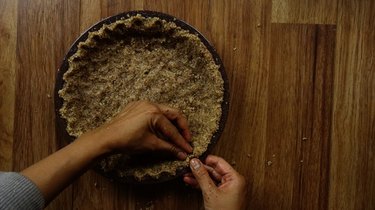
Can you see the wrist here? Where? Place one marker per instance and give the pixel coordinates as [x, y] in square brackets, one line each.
[93, 145]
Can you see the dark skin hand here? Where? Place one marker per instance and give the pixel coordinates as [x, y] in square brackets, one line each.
[222, 186]
[140, 127]
[143, 126]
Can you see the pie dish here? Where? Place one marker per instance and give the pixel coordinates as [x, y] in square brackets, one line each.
[142, 55]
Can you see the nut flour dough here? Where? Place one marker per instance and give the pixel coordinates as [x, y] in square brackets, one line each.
[142, 58]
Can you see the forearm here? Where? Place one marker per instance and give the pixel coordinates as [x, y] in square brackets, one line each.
[136, 128]
[57, 171]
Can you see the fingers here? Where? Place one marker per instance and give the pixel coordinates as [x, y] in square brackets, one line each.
[202, 177]
[170, 148]
[162, 124]
[213, 173]
[219, 165]
[229, 175]
[180, 119]
[191, 181]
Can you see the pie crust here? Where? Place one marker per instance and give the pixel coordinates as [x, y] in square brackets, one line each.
[142, 58]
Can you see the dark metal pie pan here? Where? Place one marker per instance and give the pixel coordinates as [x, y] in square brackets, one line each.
[63, 137]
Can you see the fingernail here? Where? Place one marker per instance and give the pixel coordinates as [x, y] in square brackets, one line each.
[194, 163]
[182, 155]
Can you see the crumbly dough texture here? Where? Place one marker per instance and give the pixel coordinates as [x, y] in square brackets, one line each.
[142, 58]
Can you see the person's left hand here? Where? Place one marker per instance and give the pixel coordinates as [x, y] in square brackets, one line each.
[143, 126]
[222, 186]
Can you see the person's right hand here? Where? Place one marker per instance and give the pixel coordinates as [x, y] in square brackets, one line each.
[222, 186]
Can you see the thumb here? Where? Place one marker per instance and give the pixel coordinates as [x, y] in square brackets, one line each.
[201, 175]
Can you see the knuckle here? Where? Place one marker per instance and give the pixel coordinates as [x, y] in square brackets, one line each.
[156, 115]
[156, 118]
[173, 149]
[173, 134]
[201, 172]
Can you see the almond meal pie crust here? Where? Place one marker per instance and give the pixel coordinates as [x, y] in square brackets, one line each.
[142, 58]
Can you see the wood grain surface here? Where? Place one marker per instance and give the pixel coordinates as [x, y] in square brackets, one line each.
[304, 11]
[301, 125]
[352, 171]
[8, 40]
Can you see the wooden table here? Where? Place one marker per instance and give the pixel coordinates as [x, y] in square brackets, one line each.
[301, 125]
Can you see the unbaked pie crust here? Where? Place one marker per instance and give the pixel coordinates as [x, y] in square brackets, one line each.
[142, 58]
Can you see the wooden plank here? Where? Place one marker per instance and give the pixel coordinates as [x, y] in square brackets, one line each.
[8, 38]
[89, 14]
[298, 118]
[40, 49]
[352, 173]
[316, 138]
[114, 7]
[304, 11]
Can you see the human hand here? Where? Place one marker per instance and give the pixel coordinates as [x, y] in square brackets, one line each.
[144, 126]
[222, 186]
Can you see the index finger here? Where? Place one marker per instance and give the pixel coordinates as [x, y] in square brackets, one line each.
[219, 165]
[167, 129]
[180, 119]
